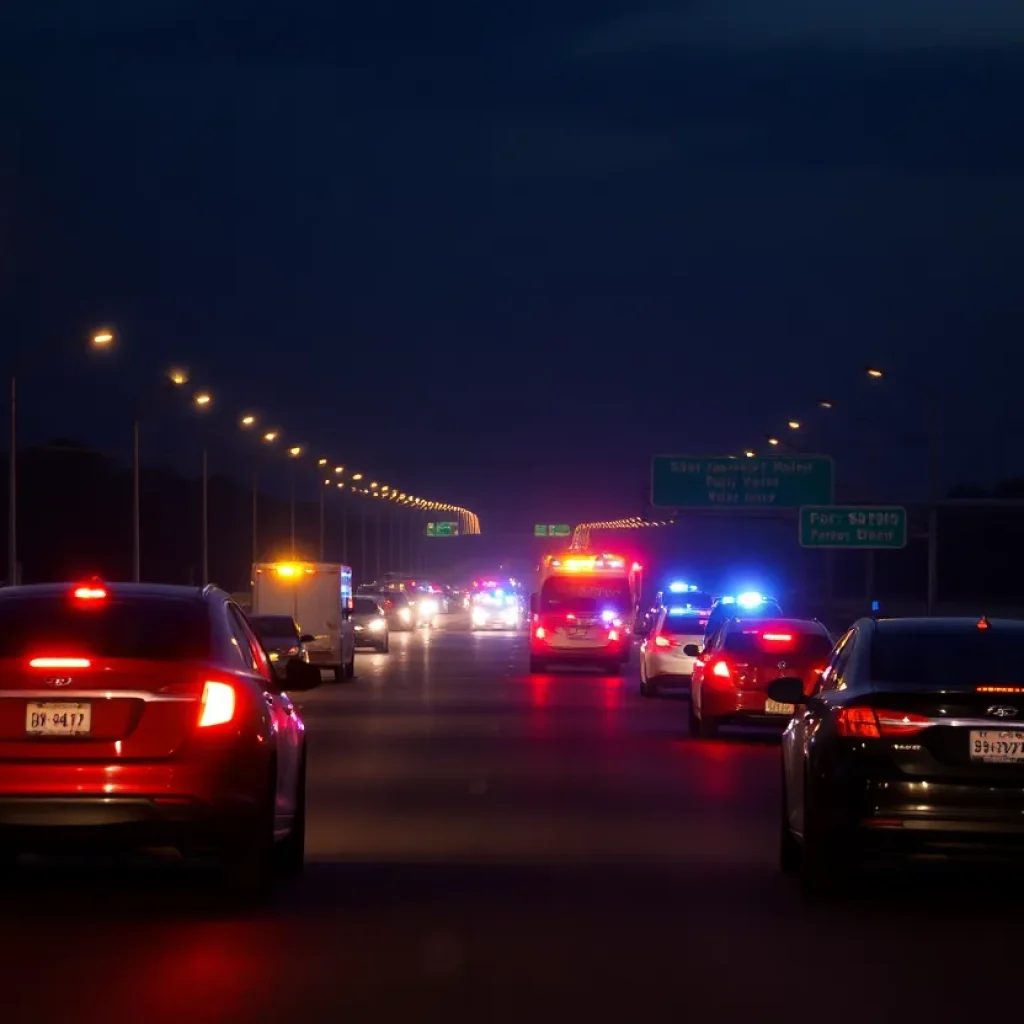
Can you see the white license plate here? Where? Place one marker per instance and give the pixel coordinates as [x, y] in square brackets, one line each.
[773, 707]
[52, 719]
[579, 633]
[997, 746]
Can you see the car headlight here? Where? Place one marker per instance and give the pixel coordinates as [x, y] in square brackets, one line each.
[274, 655]
[377, 625]
[428, 607]
[479, 616]
[404, 614]
[511, 616]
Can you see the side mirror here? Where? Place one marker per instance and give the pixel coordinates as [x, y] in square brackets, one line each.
[301, 675]
[692, 650]
[787, 690]
[307, 638]
[533, 604]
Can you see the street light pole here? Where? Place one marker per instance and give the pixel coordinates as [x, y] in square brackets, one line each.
[291, 505]
[255, 513]
[12, 491]
[323, 491]
[136, 504]
[206, 518]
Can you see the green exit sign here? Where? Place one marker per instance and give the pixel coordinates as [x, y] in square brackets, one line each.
[552, 530]
[868, 527]
[442, 529]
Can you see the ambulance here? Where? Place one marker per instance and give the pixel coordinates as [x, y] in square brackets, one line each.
[584, 611]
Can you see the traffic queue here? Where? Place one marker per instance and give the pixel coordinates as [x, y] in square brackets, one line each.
[900, 736]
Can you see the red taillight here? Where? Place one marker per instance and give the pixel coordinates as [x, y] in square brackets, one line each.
[999, 689]
[539, 633]
[874, 723]
[59, 663]
[570, 617]
[218, 704]
[613, 635]
[662, 641]
[721, 670]
[702, 622]
[777, 638]
[90, 593]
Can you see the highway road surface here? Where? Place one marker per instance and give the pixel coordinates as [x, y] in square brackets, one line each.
[487, 846]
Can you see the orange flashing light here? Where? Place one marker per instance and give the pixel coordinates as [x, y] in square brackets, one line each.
[999, 689]
[983, 623]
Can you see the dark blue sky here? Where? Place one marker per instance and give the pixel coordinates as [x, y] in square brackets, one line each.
[557, 238]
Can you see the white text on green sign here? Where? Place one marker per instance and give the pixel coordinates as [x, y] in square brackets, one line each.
[770, 482]
[853, 526]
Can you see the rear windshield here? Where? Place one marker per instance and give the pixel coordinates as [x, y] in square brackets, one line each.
[960, 660]
[781, 642]
[585, 594]
[687, 624]
[273, 625]
[690, 599]
[366, 606]
[157, 629]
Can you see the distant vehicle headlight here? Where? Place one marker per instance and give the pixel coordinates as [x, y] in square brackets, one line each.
[479, 616]
[428, 608]
[377, 625]
[404, 614]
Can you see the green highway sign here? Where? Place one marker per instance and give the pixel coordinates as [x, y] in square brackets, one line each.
[552, 530]
[784, 481]
[853, 526]
[442, 529]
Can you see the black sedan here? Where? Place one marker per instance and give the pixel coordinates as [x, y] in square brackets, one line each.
[912, 742]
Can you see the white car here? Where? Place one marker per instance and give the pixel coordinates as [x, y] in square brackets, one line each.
[664, 663]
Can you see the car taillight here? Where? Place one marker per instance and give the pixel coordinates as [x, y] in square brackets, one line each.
[662, 641]
[721, 670]
[218, 704]
[539, 633]
[613, 635]
[874, 723]
[59, 663]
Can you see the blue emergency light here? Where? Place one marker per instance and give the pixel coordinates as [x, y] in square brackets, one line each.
[749, 599]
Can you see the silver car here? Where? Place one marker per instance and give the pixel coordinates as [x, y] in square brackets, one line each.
[370, 625]
[664, 663]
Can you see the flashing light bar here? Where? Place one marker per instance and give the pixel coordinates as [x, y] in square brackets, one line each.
[583, 563]
[292, 569]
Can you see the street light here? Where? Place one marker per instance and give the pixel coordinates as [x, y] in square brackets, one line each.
[874, 372]
[793, 424]
[203, 398]
[102, 339]
[293, 453]
[773, 441]
[824, 403]
[177, 377]
[749, 454]
[248, 421]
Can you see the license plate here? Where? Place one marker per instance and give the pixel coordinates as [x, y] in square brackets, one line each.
[579, 632]
[58, 719]
[997, 747]
[773, 707]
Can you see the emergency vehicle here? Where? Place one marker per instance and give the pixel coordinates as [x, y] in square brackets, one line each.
[496, 602]
[584, 610]
[318, 597]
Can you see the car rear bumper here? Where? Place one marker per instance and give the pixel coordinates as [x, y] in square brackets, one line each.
[735, 707]
[56, 824]
[669, 666]
[605, 652]
[899, 817]
[202, 798]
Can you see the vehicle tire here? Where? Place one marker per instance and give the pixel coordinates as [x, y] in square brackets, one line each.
[707, 727]
[825, 860]
[290, 852]
[692, 720]
[249, 863]
[790, 851]
[536, 665]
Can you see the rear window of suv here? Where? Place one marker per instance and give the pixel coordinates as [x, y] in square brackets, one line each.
[149, 628]
[779, 642]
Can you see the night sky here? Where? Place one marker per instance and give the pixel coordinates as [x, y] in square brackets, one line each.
[502, 254]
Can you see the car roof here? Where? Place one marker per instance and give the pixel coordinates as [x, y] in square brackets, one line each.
[791, 625]
[943, 625]
[165, 591]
